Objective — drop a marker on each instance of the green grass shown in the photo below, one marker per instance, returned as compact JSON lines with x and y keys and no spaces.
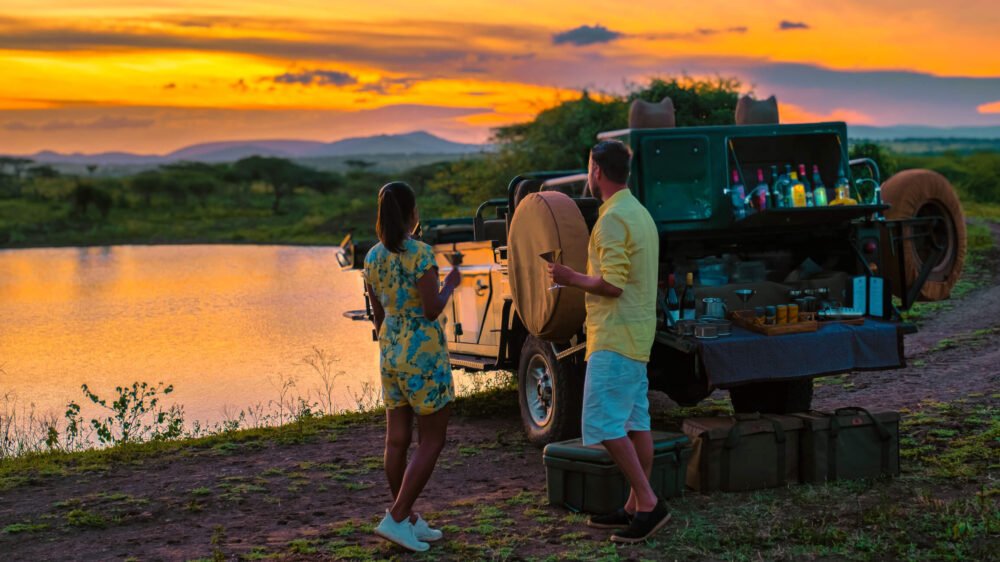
{"x":29,"y":527}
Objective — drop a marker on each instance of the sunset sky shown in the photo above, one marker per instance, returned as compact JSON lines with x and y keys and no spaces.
{"x":155,"y":76}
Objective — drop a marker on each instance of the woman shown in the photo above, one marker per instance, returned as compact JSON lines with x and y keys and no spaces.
{"x":401,"y":278}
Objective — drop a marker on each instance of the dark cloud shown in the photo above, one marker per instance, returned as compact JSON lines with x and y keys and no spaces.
{"x":100,"y":123}
{"x":438,"y":45}
{"x":388,"y":86}
{"x":696,"y":34}
{"x":586,"y":35}
{"x":707,"y":31}
{"x":317,"y":78}
{"x":786,"y":25}
{"x":170,"y":86}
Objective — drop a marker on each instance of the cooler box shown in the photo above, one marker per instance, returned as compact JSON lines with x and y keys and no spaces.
{"x":746,"y":452}
{"x":584,"y":478}
{"x":849,"y":443}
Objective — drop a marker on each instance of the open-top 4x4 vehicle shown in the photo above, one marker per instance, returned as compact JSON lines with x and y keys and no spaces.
{"x":904,"y":238}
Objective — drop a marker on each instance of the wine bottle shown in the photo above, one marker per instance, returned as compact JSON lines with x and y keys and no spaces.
{"x":819,"y":190}
{"x":738,"y":193}
{"x":673,"y":304}
{"x":760,"y":191}
{"x":776,"y":199}
{"x":786,"y":186}
{"x":687,"y":298}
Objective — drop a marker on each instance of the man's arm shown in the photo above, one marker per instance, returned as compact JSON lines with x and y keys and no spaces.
{"x":609,"y":236}
{"x":596,"y":285}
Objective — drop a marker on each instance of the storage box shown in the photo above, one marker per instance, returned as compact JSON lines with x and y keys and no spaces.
{"x":584,"y":478}
{"x":848,"y":443}
{"x":746,"y":452}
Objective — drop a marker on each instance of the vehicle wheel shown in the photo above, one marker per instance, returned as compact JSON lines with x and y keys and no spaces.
{"x":778,"y":397}
{"x":924,"y":193}
{"x":550,"y":393}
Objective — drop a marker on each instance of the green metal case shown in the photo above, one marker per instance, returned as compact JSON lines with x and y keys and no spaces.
{"x":584,"y":478}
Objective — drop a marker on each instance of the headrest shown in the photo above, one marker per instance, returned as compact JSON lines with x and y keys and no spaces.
{"x":648,"y":115}
{"x":750,"y":111}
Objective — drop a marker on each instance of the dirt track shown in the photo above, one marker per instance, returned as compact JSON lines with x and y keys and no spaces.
{"x":237,"y":499}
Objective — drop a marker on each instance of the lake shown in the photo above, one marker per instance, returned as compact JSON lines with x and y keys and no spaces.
{"x":227,"y":325}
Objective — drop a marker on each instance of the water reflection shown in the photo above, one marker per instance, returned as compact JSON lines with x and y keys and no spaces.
{"x":220,"y":323}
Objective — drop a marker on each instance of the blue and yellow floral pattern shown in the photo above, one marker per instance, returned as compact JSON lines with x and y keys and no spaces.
{"x":413,"y":355}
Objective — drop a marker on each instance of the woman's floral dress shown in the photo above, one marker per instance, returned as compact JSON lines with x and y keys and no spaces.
{"x":413,"y":355}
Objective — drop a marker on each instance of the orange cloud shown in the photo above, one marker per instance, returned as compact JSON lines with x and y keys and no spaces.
{"x":790,"y":113}
{"x":989,"y":107}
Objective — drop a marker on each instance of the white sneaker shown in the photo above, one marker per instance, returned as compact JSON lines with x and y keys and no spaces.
{"x":400,"y":533}
{"x":424,"y":532}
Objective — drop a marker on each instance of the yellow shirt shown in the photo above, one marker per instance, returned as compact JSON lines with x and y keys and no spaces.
{"x":624,"y":250}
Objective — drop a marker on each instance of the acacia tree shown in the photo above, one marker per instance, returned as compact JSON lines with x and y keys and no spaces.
{"x":281,"y":174}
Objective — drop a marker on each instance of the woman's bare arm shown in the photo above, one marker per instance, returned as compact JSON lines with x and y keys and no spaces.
{"x":377,"y":311}
{"x":432,"y":301}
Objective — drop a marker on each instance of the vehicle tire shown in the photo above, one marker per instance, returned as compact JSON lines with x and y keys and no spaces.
{"x":924,"y":193}
{"x":775,"y":397}
{"x":550,"y":393}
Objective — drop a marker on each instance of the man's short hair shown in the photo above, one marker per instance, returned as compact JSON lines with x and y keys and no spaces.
{"x":613,"y":157}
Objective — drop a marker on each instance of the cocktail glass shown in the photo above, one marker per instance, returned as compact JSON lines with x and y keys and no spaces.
{"x":552,"y":256}
{"x":455,"y":258}
{"x":745,"y":295}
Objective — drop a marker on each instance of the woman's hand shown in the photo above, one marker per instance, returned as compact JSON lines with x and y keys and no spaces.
{"x":453,"y":278}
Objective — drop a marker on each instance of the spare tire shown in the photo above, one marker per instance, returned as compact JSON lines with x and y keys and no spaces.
{"x":924,"y":193}
{"x":542,"y":222}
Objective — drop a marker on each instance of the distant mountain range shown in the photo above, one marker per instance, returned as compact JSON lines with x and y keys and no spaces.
{"x":900,"y":132}
{"x":419,"y":142}
{"x":416,"y":143}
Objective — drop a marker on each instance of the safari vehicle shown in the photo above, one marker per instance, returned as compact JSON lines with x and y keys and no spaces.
{"x":904,"y":238}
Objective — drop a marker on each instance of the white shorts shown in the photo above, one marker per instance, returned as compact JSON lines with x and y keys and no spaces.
{"x":614,"y":397}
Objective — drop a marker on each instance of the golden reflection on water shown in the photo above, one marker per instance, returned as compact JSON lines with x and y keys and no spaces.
{"x":220,"y":323}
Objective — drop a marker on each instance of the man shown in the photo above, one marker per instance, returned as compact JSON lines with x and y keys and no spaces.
{"x":621,"y":321}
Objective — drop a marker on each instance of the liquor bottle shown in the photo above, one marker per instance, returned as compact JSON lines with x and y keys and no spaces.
{"x":787,"y":186}
{"x":738,"y":193}
{"x":687,"y":298}
{"x":760,"y":192}
{"x":673,"y":304}
{"x":803,"y":178}
{"x":843,"y":190}
{"x":798,"y":190}
{"x":776,"y":199}
{"x":819,"y":190}
{"x":805,"y":184}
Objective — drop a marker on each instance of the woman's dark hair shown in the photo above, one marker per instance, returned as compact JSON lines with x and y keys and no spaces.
{"x":396,"y":202}
{"x":613,"y":158}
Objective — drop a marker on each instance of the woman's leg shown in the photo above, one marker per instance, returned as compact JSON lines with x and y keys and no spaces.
{"x":398,"y":433}
{"x":433,"y":429}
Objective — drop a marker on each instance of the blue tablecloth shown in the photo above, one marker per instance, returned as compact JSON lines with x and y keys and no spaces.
{"x":747,"y":356}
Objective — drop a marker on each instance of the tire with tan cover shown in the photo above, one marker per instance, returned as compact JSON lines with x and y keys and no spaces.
{"x":918,"y":194}
{"x":543,"y":222}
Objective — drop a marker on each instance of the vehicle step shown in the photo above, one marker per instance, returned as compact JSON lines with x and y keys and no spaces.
{"x":472,"y":361}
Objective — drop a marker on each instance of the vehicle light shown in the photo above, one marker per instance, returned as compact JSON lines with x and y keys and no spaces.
{"x":870,"y":247}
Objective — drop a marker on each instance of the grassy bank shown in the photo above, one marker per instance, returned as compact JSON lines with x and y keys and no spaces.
{"x":945,"y":505}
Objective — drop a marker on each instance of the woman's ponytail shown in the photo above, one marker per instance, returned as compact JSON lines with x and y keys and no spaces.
{"x":396,"y":202}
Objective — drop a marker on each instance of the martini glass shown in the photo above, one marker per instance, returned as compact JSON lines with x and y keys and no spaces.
{"x":552,"y":256}
{"x":455,"y":258}
{"x":745,"y":295}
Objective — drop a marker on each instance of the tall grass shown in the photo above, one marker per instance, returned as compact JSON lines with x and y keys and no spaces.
{"x":139,"y":414}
